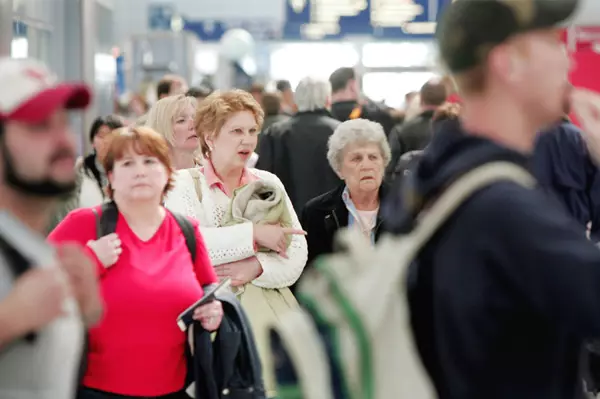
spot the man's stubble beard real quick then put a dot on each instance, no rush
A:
(43, 188)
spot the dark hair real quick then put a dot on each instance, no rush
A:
(112, 121)
(163, 87)
(199, 92)
(283, 85)
(340, 77)
(271, 103)
(434, 93)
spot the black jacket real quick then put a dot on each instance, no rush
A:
(230, 363)
(273, 119)
(562, 165)
(323, 216)
(296, 151)
(411, 136)
(504, 294)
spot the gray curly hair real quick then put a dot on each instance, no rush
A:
(356, 131)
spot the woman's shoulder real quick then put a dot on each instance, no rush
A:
(327, 201)
(86, 213)
(187, 176)
(179, 218)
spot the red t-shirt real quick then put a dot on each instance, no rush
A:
(138, 349)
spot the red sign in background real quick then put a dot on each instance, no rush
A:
(583, 44)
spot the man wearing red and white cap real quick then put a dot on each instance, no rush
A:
(41, 326)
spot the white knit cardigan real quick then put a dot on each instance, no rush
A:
(233, 243)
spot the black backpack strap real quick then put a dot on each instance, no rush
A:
(189, 232)
(107, 223)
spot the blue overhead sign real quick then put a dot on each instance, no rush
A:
(386, 19)
(328, 20)
(213, 30)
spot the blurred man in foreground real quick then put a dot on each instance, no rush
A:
(41, 328)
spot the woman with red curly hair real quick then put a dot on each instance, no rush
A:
(146, 274)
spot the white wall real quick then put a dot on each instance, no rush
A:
(131, 16)
(588, 13)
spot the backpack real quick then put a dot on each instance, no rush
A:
(106, 223)
(352, 339)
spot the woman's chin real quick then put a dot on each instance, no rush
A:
(369, 185)
(142, 194)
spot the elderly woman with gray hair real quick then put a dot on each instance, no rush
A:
(358, 151)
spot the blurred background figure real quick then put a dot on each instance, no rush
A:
(288, 106)
(349, 103)
(94, 179)
(273, 107)
(296, 149)
(415, 133)
(171, 85)
(199, 93)
(257, 90)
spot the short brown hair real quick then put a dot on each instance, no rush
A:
(433, 93)
(340, 77)
(271, 103)
(256, 88)
(214, 111)
(142, 140)
(163, 88)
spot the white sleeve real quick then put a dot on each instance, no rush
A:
(224, 244)
(280, 272)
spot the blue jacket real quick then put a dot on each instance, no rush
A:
(563, 167)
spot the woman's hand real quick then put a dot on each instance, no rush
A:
(209, 315)
(273, 236)
(107, 249)
(241, 272)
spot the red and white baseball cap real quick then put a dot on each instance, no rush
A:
(30, 93)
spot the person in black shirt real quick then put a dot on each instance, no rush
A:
(348, 103)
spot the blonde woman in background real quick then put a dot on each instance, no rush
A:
(173, 117)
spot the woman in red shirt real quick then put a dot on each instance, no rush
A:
(146, 276)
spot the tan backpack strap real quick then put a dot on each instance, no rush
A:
(195, 173)
(462, 189)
